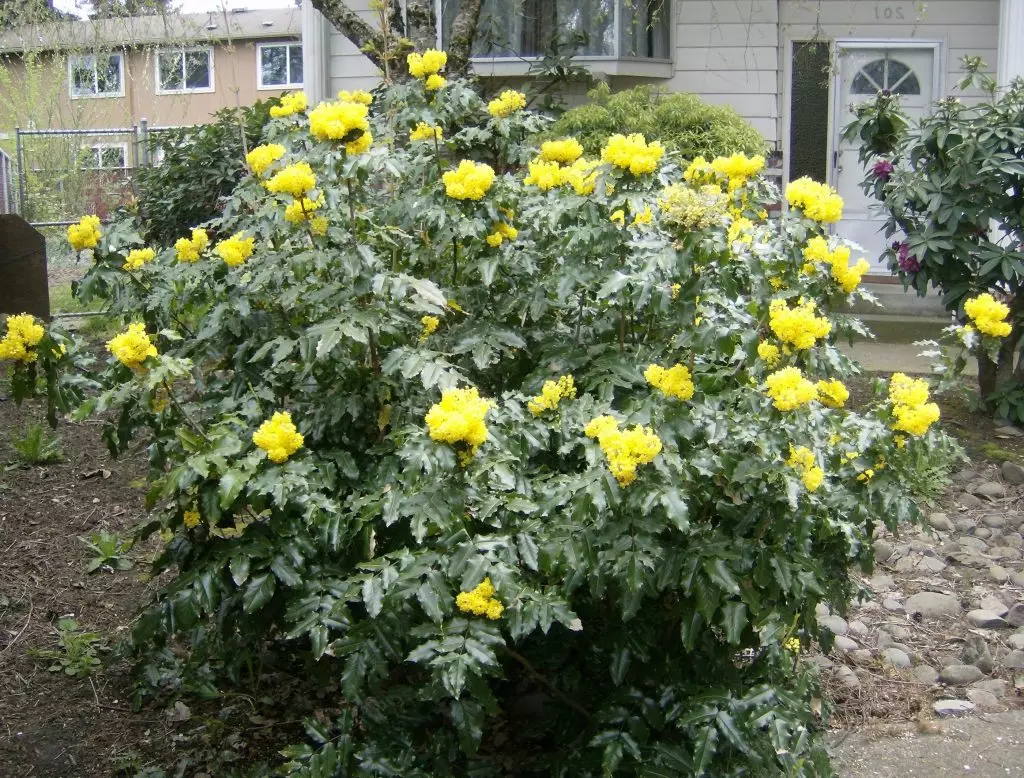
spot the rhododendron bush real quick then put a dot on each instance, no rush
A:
(546, 460)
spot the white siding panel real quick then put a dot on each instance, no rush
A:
(730, 35)
(348, 68)
(737, 58)
(729, 12)
(854, 13)
(726, 81)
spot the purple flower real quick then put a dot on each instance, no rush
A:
(883, 169)
(908, 264)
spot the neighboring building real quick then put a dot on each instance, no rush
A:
(792, 68)
(170, 70)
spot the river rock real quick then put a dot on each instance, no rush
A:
(845, 644)
(999, 574)
(1005, 552)
(925, 674)
(964, 476)
(941, 522)
(994, 686)
(1017, 579)
(893, 605)
(965, 525)
(1014, 539)
(1014, 660)
(970, 501)
(835, 624)
(985, 619)
(862, 656)
(858, 628)
(960, 675)
(1016, 641)
(930, 564)
(883, 550)
(976, 652)
(881, 582)
(994, 520)
(992, 603)
(973, 544)
(1012, 473)
(990, 489)
(986, 701)
(895, 657)
(933, 604)
(946, 708)
(847, 677)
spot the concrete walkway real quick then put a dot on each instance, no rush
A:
(875, 356)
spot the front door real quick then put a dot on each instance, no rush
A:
(863, 70)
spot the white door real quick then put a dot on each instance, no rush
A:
(863, 69)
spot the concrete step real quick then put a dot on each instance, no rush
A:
(893, 328)
(896, 301)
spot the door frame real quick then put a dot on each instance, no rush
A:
(836, 103)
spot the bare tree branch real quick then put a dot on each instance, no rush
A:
(422, 25)
(460, 47)
(348, 23)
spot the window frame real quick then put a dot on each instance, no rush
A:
(99, 158)
(95, 75)
(185, 90)
(260, 86)
(614, 64)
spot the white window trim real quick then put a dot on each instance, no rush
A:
(101, 146)
(185, 90)
(260, 86)
(98, 95)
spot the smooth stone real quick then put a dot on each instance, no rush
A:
(965, 525)
(983, 532)
(862, 656)
(994, 686)
(845, 644)
(900, 632)
(971, 559)
(974, 544)
(946, 708)
(847, 677)
(1005, 552)
(1014, 539)
(858, 628)
(1008, 430)
(931, 565)
(994, 520)
(992, 603)
(893, 605)
(999, 574)
(960, 675)
(925, 674)
(1012, 472)
(963, 476)
(835, 624)
(895, 657)
(970, 501)
(881, 582)
(883, 550)
(884, 640)
(906, 564)
(985, 619)
(1015, 615)
(990, 489)
(1016, 641)
(1017, 579)
(933, 604)
(821, 610)
(941, 522)
(976, 652)
(1014, 660)
(921, 547)
(985, 701)
(820, 660)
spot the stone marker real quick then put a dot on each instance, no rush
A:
(23, 268)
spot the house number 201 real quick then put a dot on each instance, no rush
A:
(888, 12)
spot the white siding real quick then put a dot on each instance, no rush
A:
(347, 67)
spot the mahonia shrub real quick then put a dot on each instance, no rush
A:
(950, 187)
(544, 457)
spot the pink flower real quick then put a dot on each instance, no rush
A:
(883, 169)
(907, 263)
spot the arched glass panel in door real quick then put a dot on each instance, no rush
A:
(885, 75)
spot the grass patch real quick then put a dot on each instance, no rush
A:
(63, 301)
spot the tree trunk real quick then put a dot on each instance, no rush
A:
(992, 375)
(420, 28)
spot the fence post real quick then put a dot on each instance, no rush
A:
(21, 170)
(143, 136)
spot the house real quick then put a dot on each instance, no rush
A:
(793, 68)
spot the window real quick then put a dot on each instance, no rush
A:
(105, 156)
(889, 75)
(280, 65)
(185, 70)
(623, 29)
(96, 75)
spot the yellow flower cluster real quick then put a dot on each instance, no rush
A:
(189, 249)
(699, 172)
(818, 201)
(302, 209)
(797, 326)
(470, 181)
(552, 393)
(132, 346)
(429, 63)
(740, 229)
(236, 249)
(502, 232)
(838, 259)
(426, 131)
(564, 151)
(988, 315)
(335, 121)
(137, 258)
(430, 325)
(632, 153)
(625, 449)
(360, 145)
(618, 218)
(480, 601)
(355, 96)
(23, 335)
(434, 82)
(86, 234)
(769, 353)
(294, 180)
(738, 168)
(833, 393)
(262, 157)
(292, 103)
(278, 437)
(789, 389)
(191, 519)
(459, 418)
(694, 209)
(646, 216)
(802, 460)
(675, 381)
(914, 414)
(507, 103)
(547, 174)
